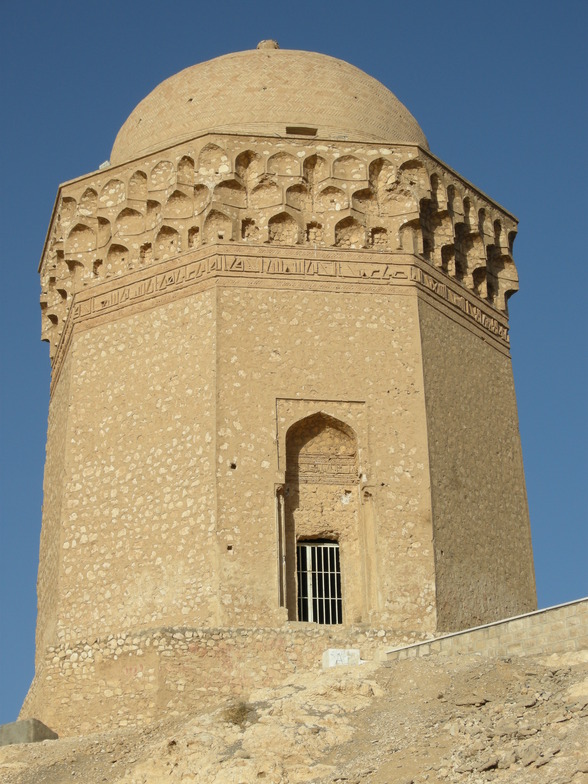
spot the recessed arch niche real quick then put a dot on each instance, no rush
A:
(321, 502)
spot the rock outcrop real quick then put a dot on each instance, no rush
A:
(460, 720)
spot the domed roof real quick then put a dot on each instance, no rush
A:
(264, 91)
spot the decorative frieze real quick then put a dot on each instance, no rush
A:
(315, 195)
(340, 269)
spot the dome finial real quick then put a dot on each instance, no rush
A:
(268, 44)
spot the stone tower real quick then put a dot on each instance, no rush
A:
(282, 413)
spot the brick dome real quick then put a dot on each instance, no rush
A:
(267, 91)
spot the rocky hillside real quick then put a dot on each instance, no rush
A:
(463, 719)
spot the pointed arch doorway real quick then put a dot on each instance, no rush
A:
(321, 505)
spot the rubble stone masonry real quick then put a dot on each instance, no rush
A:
(266, 334)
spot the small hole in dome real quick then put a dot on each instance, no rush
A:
(190, 100)
(301, 130)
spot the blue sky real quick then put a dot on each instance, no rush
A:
(501, 92)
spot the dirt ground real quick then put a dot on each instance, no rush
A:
(464, 719)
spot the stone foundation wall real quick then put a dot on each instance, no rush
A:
(131, 679)
(553, 630)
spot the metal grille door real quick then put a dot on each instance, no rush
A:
(319, 582)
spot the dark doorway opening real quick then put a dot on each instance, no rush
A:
(319, 582)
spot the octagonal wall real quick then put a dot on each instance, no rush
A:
(483, 554)
(135, 532)
(168, 500)
(172, 471)
(54, 501)
(285, 354)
